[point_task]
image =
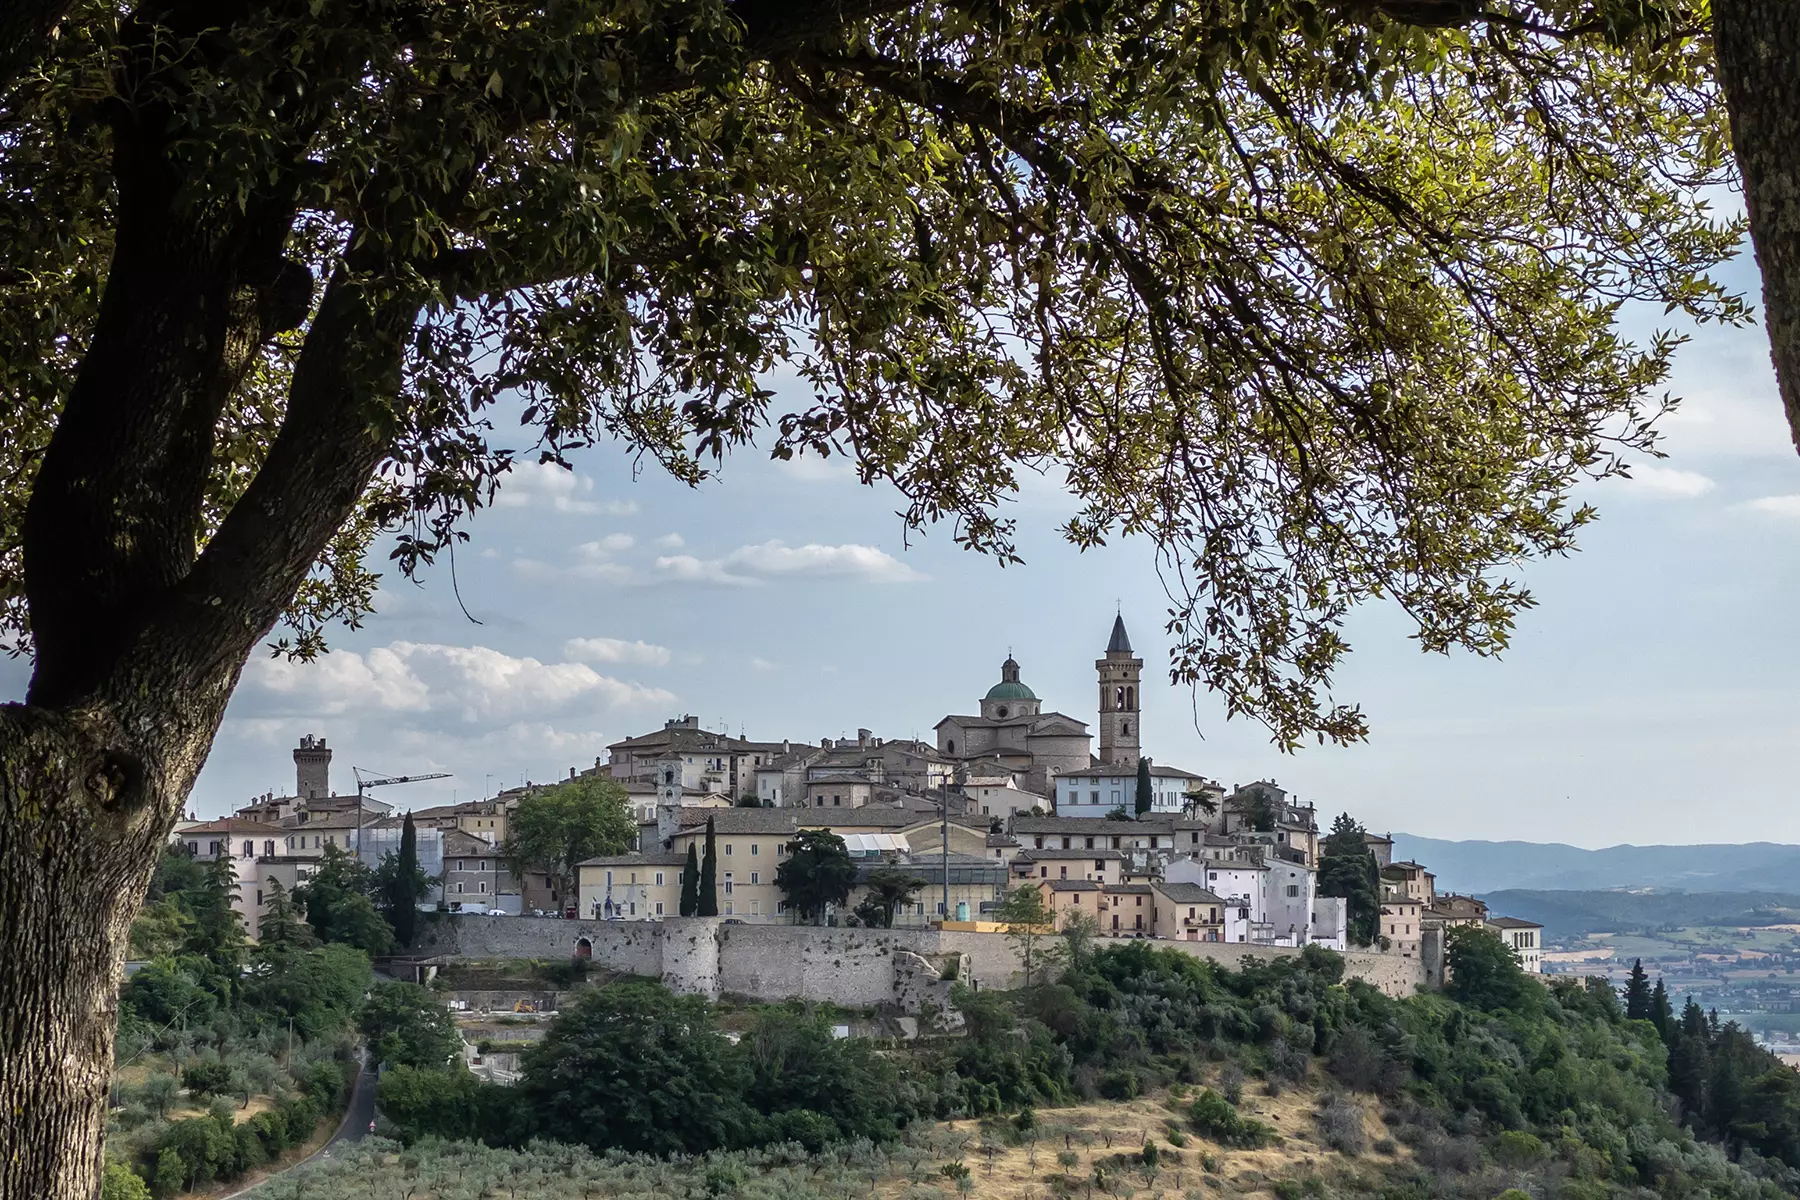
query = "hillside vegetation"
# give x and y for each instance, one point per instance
(1502, 1082)
(1477, 866)
(1574, 913)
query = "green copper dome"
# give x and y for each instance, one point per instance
(1009, 687)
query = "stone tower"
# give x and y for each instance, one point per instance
(1119, 672)
(668, 797)
(312, 769)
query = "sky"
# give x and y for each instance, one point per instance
(1653, 696)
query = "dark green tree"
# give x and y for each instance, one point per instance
(690, 884)
(338, 903)
(406, 1025)
(320, 988)
(218, 931)
(554, 830)
(817, 873)
(1145, 798)
(1662, 1012)
(888, 890)
(1347, 869)
(269, 268)
(400, 883)
(282, 927)
(1483, 970)
(706, 898)
(633, 1066)
(1637, 993)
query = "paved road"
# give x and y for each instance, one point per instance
(353, 1128)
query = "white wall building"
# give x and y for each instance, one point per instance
(1526, 938)
(1096, 791)
(1331, 922)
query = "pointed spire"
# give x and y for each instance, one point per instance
(1121, 642)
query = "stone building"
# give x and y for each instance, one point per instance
(1121, 731)
(1013, 733)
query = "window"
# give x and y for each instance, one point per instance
(249, 849)
(259, 899)
(756, 877)
(1096, 796)
(659, 908)
(609, 879)
(781, 908)
(836, 801)
(1115, 795)
(481, 885)
(1066, 842)
(459, 887)
(1090, 844)
(1100, 864)
(269, 847)
(482, 865)
(1063, 872)
(728, 883)
(1293, 889)
(1043, 872)
(756, 908)
(728, 908)
(659, 882)
(755, 849)
(727, 849)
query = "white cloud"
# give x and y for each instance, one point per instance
(546, 485)
(619, 508)
(437, 685)
(773, 560)
(1785, 507)
(1655, 480)
(605, 547)
(758, 663)
(671, 541)
(615, 650)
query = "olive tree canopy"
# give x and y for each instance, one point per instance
(1319, 297)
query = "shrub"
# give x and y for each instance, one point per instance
(1340, 1124)
(1517, 1149)
(1231, 1082)
(1214, 1117)
(204, 1078)
(1121, 1084)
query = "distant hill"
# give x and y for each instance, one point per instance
(1482, 867)
(1570, 914)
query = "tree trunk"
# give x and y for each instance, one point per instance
(82, 820)
(1758, 47)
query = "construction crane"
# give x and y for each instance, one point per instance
(375, 781)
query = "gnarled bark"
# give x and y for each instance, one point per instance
(86, 799)
(1758, 47)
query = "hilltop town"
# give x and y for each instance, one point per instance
(1010, 796)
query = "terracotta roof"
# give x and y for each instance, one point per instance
(1154, 823)
(738, 820)
(1071, 885)
(235, 825)
(661, 858)
(1129, 771)
(1188, 893)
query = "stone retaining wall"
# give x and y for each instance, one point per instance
(853, 967)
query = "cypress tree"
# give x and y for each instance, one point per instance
(405, 908)
(1637, 993)
(1662, 1012)
(1143, 787)
(708, 899)
(690, 884)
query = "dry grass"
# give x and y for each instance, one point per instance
(1097, 1133)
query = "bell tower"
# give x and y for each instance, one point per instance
(668, 797)
(1120, 736)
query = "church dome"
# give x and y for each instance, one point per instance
(1009, 687)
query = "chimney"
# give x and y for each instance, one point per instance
(824, 743)
(862, 738)
(312, 768)
(571, 772)
(785, 747)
